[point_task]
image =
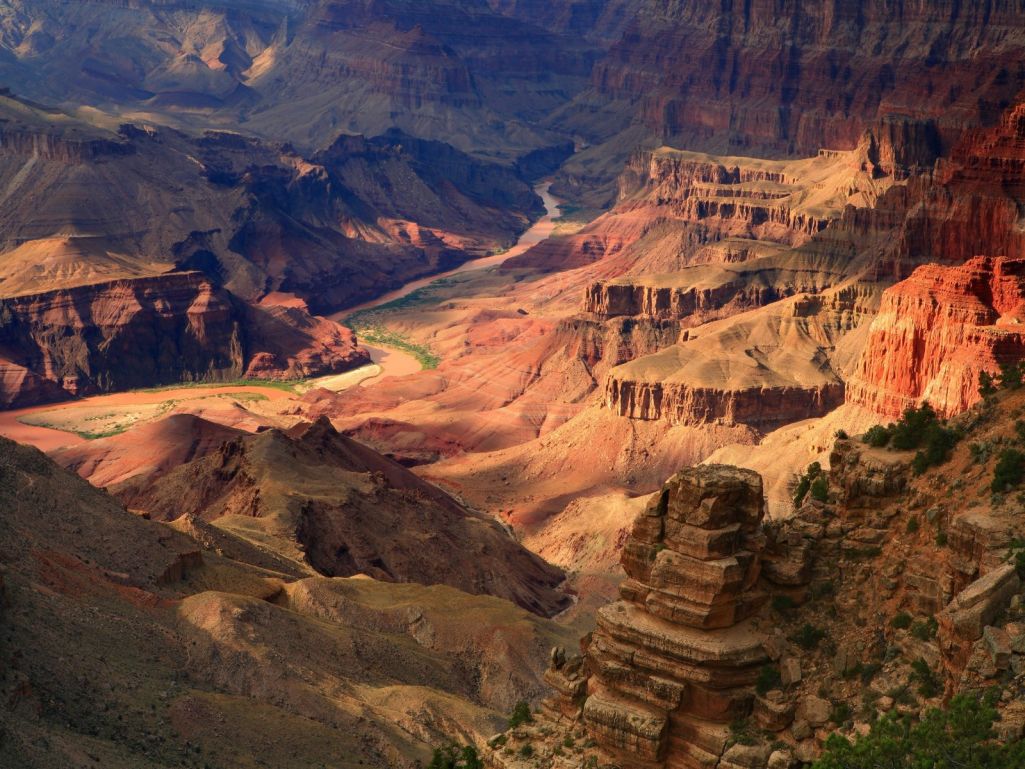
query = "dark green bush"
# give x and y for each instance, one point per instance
(925, 630)
(918, 429)
(768, 679)
(840, 713)
(1010, 376)
(877, 436)
(959, 737)
(807, 482)
(455, 757)
(987, 384)
(901, 621)
(1009, 470)
(808, 636)
(820, 489)
(928, 683)
(520, 715)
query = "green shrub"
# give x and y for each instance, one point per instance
(768, 679)
(1009, 470)
(820, 489)
(455, 757)
(1010, 376)
(941, 538)
(928, 683)
(527, 751)
(913, 525)
(741, 734)
(520, 715)
(782, 603)
(918, 429)
(959, 737)
(987, 384)
(802, 490)
(812, 475)
(901, 621)
(877, 436)
(808, 636)
(925, 630)
(840, 713)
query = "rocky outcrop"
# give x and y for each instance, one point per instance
(150, 639)
(672, 663)
(936, 331)
(176, 327)
(347, 508)
(609, 299)
(760, 407)
(741, 195)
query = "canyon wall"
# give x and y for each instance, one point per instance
(763, 408)
(157, 330)
(794, 77)
(937, 331)
(693, 667)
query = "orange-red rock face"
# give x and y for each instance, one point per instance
(937, 330)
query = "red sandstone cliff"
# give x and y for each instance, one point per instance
(937, 330)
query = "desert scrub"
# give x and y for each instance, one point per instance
(812, 481)
(769, 678)
(1009, 470)
(923, 675)
(917, 430)
(520, 715)
(808, 636)
(901, 621)
(925, 630)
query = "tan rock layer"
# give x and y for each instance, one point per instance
(678, 403)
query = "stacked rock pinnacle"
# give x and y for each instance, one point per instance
(674, 661)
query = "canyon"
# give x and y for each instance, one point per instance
(362, 337)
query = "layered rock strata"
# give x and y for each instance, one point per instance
(673, 660)
(937, 331)
(757, 75)
(154, 330)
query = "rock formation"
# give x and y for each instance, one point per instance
(673, 660)
(323, 498)
(155, 330)
(937, 331)
(891, 591)
(128, 639)
(757, 75)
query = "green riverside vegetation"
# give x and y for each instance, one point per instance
(369, 324)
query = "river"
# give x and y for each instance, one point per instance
(389, 361)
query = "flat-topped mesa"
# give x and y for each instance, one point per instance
(937, 331)
(674, 661)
